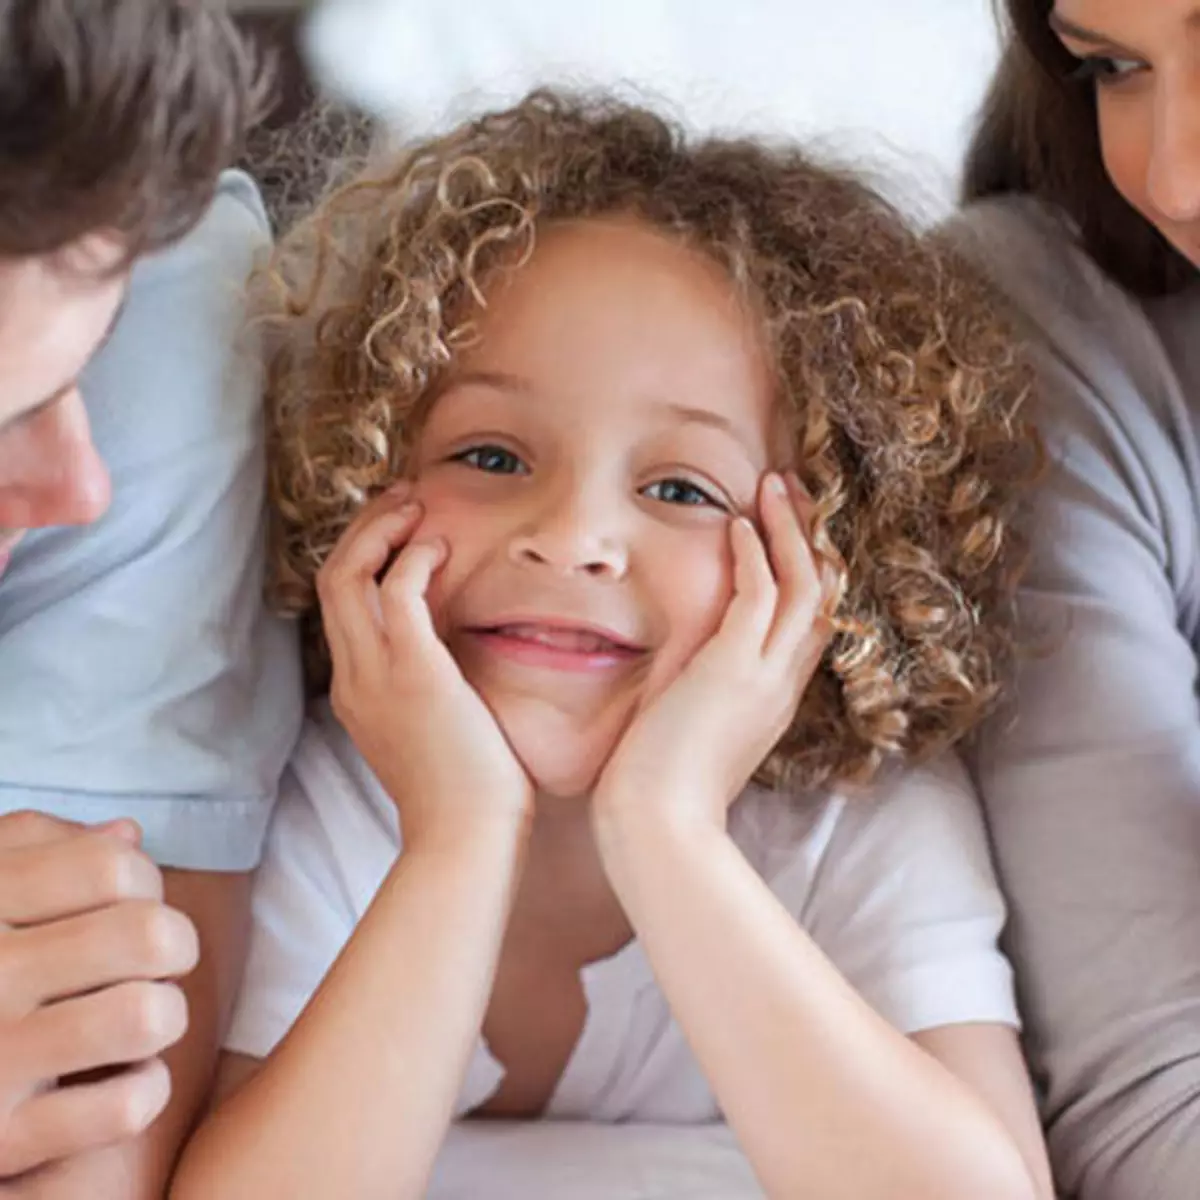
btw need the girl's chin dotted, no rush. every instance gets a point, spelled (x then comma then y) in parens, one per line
(558, 777)
(563, 748)
(562, 760)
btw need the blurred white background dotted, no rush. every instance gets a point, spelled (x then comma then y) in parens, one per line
(893, 83)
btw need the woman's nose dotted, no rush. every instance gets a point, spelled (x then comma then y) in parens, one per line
(50, 470)
(1173, 182)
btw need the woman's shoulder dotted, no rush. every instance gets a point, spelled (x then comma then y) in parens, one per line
(1109, 374)
(1032, 253)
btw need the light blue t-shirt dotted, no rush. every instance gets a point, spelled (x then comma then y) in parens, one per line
(140, 674)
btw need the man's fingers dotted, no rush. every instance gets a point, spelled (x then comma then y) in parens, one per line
(64, 1121)
(19, 830)
(125, 1023)
(137, 939)
(66, 876)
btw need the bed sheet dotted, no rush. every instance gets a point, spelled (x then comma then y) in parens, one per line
(573, 1160)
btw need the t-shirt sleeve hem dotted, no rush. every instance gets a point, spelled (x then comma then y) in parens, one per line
(978, 991)
(257, 1036)
(191, 833)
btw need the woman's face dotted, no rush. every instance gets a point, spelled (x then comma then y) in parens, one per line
(1145, 58)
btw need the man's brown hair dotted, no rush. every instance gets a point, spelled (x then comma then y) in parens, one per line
(1038, 135)
(117, 115)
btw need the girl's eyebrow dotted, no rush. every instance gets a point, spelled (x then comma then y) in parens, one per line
(500, 381)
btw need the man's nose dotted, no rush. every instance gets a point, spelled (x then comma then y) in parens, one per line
(50, 470)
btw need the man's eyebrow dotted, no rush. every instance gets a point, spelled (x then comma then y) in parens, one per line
(55, 396)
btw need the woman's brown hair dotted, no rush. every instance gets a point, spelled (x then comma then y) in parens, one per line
(117, 115)
(1038, 135)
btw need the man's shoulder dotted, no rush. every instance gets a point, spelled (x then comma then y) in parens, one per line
(233, 231)
(182, 366)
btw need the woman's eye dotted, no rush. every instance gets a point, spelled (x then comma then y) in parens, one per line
(680, 491)
(1105, 69)
(495, 460)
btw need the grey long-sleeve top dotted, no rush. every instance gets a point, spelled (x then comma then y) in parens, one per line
(1092, 785)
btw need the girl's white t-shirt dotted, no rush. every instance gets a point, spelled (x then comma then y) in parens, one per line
(896, 887)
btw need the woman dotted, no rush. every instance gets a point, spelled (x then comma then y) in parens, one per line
(1085, 173)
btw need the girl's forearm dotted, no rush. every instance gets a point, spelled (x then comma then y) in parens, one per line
(355, 1101)
(826, 1098)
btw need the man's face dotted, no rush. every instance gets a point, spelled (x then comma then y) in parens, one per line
(55, 313)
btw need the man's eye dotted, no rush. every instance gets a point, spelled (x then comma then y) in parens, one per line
(1105, 69)
(680, 491)
(495, 460)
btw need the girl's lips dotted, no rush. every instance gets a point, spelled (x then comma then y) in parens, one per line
(555, 647)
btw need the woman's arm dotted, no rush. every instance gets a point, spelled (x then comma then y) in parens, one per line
(826, 1097)
(1092, 787)
(356, 1099)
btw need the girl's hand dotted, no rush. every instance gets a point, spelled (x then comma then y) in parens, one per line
(691, 751)
(422, 728)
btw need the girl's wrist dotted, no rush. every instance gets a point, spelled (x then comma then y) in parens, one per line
(487, 835)
(631, 826)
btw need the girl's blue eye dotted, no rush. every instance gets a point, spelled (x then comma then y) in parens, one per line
(495, 460)
(1104, 69)
(680, 491)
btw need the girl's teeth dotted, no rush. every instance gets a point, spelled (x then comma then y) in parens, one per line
(570, 640)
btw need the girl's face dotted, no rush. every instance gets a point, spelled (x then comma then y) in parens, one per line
(1145, 55)
(582, 465)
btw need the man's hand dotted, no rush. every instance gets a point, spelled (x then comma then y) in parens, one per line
(86, 948)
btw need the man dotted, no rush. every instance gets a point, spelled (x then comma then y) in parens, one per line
(147, 703)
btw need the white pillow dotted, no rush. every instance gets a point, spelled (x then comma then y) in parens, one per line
(893, 82)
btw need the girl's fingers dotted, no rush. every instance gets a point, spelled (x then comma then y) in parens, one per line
(347, 583)
(402, 595)
(794, 565)
(747, 620)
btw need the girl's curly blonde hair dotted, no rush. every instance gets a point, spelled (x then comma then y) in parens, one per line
(897, 377)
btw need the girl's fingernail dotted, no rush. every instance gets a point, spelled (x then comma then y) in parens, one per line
(410, 509)
(775, 484)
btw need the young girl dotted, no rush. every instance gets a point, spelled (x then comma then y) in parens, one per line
(624, 470)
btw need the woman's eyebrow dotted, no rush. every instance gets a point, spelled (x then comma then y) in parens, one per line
(1079, 33)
